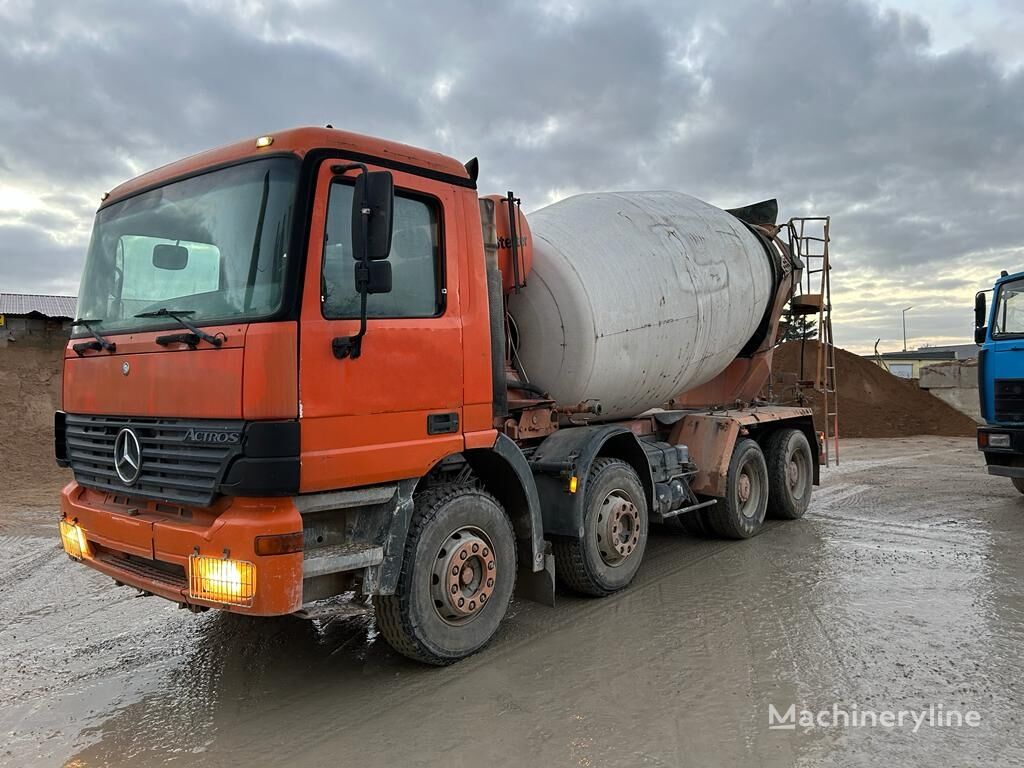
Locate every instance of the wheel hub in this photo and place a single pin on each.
(618, 528)
(743, 488)
(793, 472)
(464, 575)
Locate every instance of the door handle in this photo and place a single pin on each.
(442, 423)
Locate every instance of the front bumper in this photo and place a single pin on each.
(148, 545)
(1006, 458)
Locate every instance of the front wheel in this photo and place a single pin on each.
(606, 559)
(457, 577)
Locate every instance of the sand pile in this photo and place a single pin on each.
(30, 381)
(872, 402)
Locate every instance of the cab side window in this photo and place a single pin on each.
(415, 260)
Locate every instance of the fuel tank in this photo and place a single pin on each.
(634, 297)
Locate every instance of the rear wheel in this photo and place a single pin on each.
(1018, 483)
(606, 559)
(457, 577)
(740, 514)
(790, 474)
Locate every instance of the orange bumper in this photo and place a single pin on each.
(148, 545)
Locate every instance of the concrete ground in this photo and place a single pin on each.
(902, 588)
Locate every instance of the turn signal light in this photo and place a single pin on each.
(279, 544)
(73, 539)
(221, 580)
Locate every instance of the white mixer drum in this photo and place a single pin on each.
(637, 296)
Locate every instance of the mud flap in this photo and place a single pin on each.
(538, 586)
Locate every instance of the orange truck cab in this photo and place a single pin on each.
(289, 383)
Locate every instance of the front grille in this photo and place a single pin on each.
(1009, 399)
(172, 469)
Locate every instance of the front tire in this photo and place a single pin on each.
(457, 577)
(790, 474)
(615, 516)
(740, 514)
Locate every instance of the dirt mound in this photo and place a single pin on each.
(30, 381)
(872, 402)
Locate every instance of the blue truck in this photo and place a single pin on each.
(1001, 377)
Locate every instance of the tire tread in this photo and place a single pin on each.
(775, 459)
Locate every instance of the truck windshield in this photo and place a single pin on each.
(1009, 315)
(213, 245)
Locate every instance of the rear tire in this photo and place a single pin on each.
(790, 474)
(1018, 483)
(615, 517)
(460, 547)
(740, 514)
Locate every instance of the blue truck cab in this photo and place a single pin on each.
(1000, 332)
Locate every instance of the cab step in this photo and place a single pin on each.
(344, 606)
(340, 557)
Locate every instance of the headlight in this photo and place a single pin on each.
(73, 538)
(221, 580)
(997, 440)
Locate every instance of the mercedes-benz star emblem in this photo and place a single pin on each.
(127, 456)
(125, 368)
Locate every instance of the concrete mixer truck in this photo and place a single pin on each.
(315, 372)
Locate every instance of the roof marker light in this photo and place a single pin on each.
(264, 141)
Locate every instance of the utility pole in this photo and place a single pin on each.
(905, 327)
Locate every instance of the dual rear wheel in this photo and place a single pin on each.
(773, 481)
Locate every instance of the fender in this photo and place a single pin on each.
(570, 453)
(504, 471)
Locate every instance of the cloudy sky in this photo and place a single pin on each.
(903, 120)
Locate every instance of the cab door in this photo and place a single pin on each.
(395, 410)
(1003, 381)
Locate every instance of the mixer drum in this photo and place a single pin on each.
(637, 296)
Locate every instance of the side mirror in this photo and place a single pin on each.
(979, 310)
(980, 316)
(166, 256)
(373, 201)
(375, 277)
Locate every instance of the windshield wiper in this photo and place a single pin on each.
(100, 344)
(179, 315)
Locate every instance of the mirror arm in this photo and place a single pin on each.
(352, 346)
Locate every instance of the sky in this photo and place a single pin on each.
(902, 120)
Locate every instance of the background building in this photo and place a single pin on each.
(35, 319)
(908, 365)
(948, 372)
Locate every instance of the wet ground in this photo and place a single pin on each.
(902, 588)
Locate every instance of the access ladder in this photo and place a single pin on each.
(809, 241)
